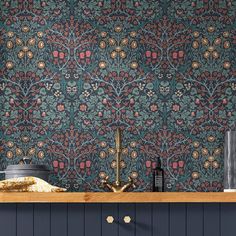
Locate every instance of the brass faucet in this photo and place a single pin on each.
(118, 186)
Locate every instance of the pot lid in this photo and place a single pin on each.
(27, 167)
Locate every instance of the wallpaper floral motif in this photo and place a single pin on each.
(71, 72)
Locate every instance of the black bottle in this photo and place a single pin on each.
(158, 178)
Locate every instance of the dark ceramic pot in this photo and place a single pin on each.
(23, 170)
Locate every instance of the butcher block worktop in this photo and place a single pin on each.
(107, 197)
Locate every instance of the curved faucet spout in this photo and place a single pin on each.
(118, 186)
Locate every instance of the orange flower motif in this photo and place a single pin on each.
(175, 107)
(83, 107)
(60, 107)
(154, 107)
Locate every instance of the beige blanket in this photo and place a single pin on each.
(28, 184)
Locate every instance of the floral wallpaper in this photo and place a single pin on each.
(163, 71)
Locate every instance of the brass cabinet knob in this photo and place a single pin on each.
(127, 219)
(110, 219)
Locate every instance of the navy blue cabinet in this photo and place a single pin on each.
(156, 219)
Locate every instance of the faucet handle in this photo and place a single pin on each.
(131, 181)
(104, 181)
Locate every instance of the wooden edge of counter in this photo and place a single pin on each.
(105, 197)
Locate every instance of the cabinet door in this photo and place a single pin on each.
(178, 219)
(42, 221)
(195, 219)
(110, 219)
(127, 219)
(24, 219)
(160, 219)
(8, 220)
(143, 222)
(227, 219)
(76, 220)
(92, 220)
(58, 219)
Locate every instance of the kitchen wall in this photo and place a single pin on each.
(71, 72)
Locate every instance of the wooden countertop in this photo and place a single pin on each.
(105, 197)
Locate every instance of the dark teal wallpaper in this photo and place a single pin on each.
(164, 71)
